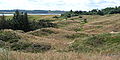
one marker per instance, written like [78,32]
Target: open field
[99,39]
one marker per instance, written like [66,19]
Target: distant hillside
[33,11]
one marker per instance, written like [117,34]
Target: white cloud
[57,4]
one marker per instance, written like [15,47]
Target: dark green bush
[19,46]
[30,47]
[2,43]
[56,17]
[80,16]
[77,35]
[39,48]
[20,21]
[8,36]
[41,24]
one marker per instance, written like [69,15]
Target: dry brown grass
[51,55]
[108,23]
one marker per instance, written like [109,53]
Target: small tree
[100,12]
[2,22]
[85,21]
[21,21]
[26,22]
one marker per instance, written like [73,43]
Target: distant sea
[34,14]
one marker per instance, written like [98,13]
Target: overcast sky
[57,4]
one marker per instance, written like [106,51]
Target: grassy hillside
[72,39]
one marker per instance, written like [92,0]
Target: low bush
[8,36]
[41,24]
[30,47]
[76,35]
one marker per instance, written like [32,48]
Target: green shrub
[8,36]
[41,24]
[56,17]
[80,17]
[40,47]
[78,29]
[76,35]
[30,47]
[2,43]
[19,46]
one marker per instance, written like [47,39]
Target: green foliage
[77,35]
[100,12]
[30,47]
[108,10]
[3,22]
[85,21]
[68,14]
[10,40]
[78,29]
[98,43]
[8,36]
[19,46]
[41,24]
[103,39]
[56,17]
[20,21]
[80,16]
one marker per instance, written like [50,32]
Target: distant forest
[108,10]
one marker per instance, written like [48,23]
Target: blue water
[6,14]
[31,14]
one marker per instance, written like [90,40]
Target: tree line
[20,21]
[108,10]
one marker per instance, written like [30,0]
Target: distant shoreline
[10,14]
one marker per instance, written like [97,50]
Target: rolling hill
[98,39]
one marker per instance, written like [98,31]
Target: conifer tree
[2,22]
[21,21]
[26,22]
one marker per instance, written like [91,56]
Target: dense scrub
[8,36]
[41,24]
[20,21]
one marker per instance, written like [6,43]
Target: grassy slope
[72,32]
